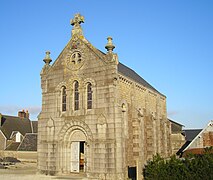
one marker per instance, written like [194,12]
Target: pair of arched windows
[76,96]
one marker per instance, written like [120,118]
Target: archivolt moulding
[60,85]
[68,128]
[89,80]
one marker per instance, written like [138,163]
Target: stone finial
[47,58]
[109,45]
[75,22]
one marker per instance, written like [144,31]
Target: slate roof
[29,143]
[180,151]
[128,72]
[190,134]
[13,146]
[34,126]
[13,123]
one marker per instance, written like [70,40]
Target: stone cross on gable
[77,20]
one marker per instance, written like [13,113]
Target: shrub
[192,167]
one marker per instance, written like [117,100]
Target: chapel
[99,118]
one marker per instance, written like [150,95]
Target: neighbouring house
[99,117]
[197,140]
[177,137]
[18,133]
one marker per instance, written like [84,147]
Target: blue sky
[168,42]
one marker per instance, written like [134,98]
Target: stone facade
[98,116]
[177,137]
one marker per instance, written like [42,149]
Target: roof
[128,72]
[175,122]
[13,146]
[29,143]
[190,134]
[13,123]
[196,151]
[180,151]
[34,126]
[198,135]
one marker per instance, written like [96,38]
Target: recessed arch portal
[74,140]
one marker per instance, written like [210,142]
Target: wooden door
[75,156]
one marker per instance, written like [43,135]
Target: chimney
[27,114]
[22,114]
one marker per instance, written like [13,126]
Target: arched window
[89,96]
[64,99]
[76,95]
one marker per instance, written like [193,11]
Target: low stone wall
[27,156]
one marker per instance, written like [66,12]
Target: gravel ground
[27,171]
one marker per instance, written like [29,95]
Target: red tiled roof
[195,151]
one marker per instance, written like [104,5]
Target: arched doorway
[74,151]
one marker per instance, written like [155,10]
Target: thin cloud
[34,109]
[13,109]
[9,109]
[172,113]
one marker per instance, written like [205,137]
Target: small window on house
[89,96]
[76,95]
[64,99]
